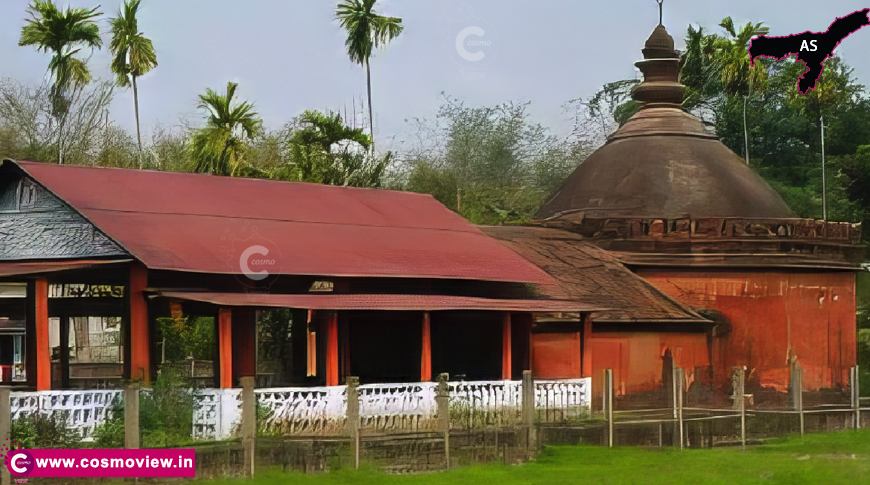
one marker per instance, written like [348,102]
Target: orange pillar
[426,354]
[587,347]
[140,337]
[225,347]
[38,359]
[244,342]
[506,366]
[332,350]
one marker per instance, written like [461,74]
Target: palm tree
[133,54]
[63,33]
[738,74]
[219,147]
[365,30]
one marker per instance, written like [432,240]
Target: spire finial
[660,10]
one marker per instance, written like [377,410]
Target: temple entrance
[385,346]
[467,345]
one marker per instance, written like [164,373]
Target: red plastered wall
[775,315]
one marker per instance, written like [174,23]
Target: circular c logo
[21,463]
[246,255]
[460,43]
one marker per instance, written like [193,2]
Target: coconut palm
[739,76]
[219,147]
[133,54]
[365,30]
[64,33]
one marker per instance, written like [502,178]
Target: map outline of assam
[811,48]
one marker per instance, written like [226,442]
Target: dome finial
[660,10]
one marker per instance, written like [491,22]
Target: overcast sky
[288,56]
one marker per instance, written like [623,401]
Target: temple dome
[662,163]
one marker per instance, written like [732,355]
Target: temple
[740,280]
[662,249]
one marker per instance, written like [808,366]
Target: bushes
[165,415]
[45,431]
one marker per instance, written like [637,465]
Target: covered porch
[95,324]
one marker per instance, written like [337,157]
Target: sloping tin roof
[176,221]
[382,302]
[586,273]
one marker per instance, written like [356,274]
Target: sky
[289,56]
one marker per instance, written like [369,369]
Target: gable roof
[586,273]
[176,221]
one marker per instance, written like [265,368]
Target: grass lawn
[825,458]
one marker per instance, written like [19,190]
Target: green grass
[825,458]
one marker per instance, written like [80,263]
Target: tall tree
[133,53]
[739,76]
[322,149]
[219,147]
[365,30]
[63,33]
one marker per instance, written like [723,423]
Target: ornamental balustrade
[80,410]
[322,411]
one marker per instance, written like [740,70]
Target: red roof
[381,302]
[176,221]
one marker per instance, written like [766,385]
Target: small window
[27,193]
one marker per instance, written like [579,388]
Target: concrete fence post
[353,420]
[528,410]
[855,387]
[608,404]
[442,400]
[131,416]
[5,430]
[797,389]
[740,397]
[680,378]
[249,424]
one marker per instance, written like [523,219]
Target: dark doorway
[385,346]
[467,345]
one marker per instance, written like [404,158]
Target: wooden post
[139,338]
[426,353]
[249,423]
[64,351]
[855,387]
[131,416]
[608,404]
[740,395]
[353,422]
[506,365]
[442,401]
[528,410]
[244,342]
[797,389]
[5,430]
[679,377]
[332,350]
[225,347]
[587,346]
[38,353]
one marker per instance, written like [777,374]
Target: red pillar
[225,347]
[426,354]
[332,350]
[587,346]
[38,358]
[140,337]
[506,366]
[244,342]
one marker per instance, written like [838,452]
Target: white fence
[82,410]
[301,411]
